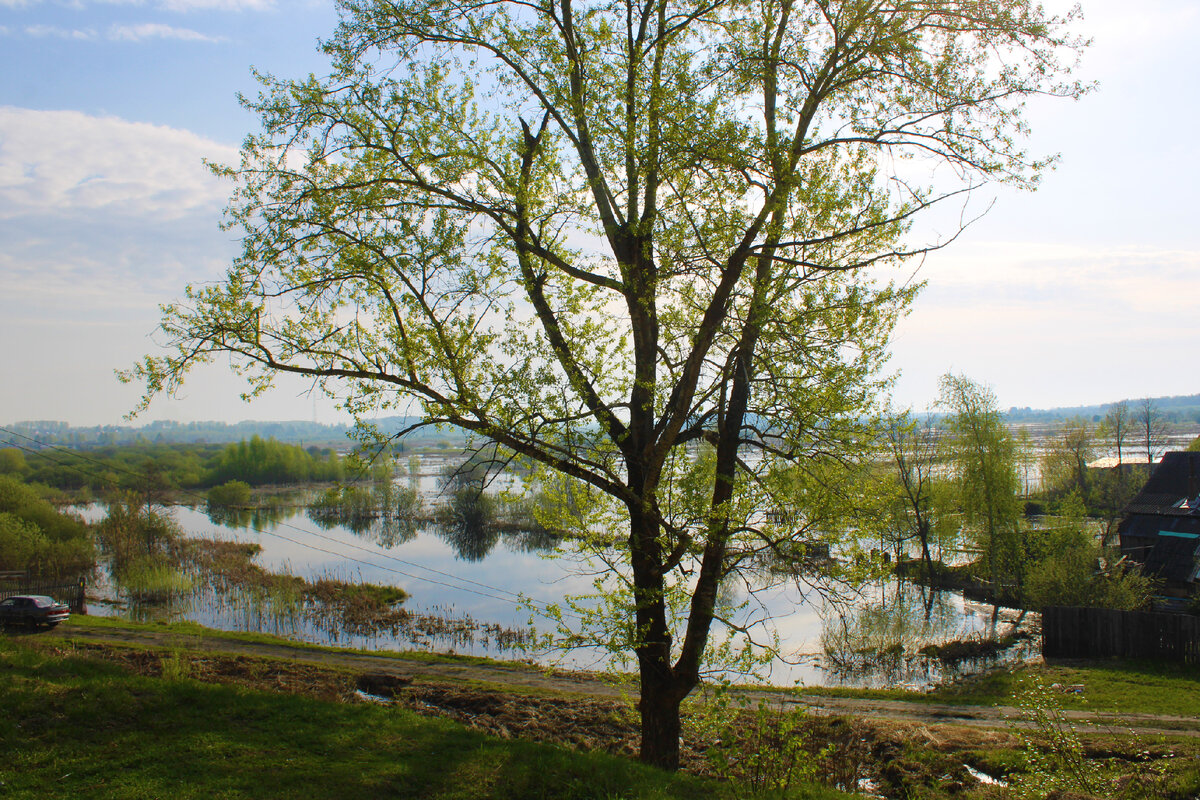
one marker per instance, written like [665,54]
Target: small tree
[1152,429]
[1117,428]
[1064,464]
[914,450]
[983,457]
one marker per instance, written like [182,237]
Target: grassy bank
[75,725]
[188,714]
[1128,687]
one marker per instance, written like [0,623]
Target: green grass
[1124,687]
[1130,687]
[71,726]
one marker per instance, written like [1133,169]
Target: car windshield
[43,602]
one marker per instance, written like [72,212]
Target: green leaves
[600,234]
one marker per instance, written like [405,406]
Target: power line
[512,598]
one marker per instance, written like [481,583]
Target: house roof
[1177,477]
[1172,490]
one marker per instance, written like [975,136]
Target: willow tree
[600,234]
[982,456]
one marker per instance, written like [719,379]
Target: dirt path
[543,681]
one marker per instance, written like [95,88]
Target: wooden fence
[1102,632]
[73,593]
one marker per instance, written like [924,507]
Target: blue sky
[1086,291]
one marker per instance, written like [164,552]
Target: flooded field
[479,581]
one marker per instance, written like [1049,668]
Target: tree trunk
[659,706]
[661,690]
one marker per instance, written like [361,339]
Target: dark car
[32,610]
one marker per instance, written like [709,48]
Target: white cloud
[151,30]
[62,162]
[217,5]
[53,32]
[119,33]
[1139,279]
[1054,324]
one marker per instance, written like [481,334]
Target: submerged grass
[335,607]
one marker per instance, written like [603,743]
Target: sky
[1087,291]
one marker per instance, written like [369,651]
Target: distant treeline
[294,432]
[1180,408]
[153,468]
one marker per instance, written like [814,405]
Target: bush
[38,539]
[230,493]
[12,461]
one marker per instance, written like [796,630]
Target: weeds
[176,666]
[765,748]
[1054,754]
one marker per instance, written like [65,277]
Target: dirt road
[536,680]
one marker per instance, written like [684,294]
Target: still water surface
[466,591]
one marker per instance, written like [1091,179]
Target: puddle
[984,778]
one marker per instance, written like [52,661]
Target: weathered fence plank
[1105,632]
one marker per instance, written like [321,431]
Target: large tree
[601,234]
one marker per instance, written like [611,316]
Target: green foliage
[12,461]
[983,457]
[266,461]
[176,666]
[1054,755]
[153,469]
[133,532]
[1068,566]
[113,469]
[150,579]
[37,538]
[230,493]
[1194,447]
[764,748]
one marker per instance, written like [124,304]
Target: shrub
[230,493]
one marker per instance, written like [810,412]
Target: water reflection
[464,514]
[384,513]
[249,518]
[902,633]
